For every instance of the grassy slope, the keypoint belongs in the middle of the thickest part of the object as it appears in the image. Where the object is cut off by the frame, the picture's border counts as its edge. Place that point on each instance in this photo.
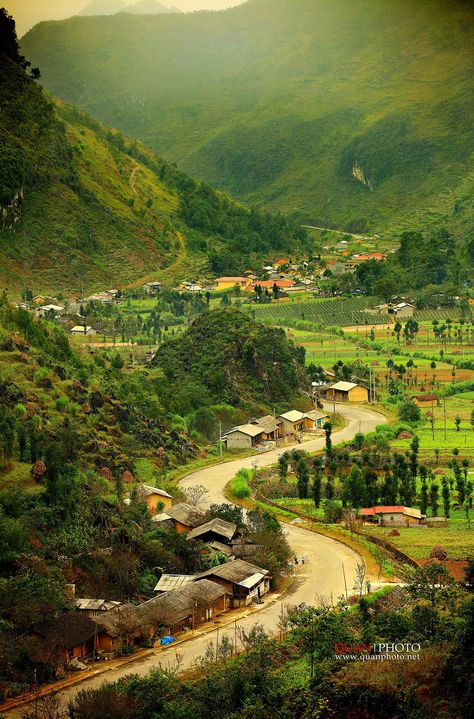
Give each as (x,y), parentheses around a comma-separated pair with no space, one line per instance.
(85,219)
(278,101)
(83,207)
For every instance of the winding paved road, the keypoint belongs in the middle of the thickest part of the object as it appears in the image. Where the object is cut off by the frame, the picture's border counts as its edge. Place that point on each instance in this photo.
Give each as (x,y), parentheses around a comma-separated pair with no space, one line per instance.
(321,574)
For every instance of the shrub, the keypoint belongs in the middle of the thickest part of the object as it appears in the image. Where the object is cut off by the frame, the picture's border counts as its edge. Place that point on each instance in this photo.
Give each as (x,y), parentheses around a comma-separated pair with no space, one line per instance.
(438,553)
(239,486)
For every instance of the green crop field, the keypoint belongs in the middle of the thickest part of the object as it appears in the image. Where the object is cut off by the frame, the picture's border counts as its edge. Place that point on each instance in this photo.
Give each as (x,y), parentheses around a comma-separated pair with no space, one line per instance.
(456,538)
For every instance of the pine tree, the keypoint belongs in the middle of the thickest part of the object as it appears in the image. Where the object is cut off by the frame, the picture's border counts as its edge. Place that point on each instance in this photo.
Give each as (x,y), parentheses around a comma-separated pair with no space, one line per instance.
(446,496)
(317,481)
(424,490)
(354,490)
(434,499)
(302,474)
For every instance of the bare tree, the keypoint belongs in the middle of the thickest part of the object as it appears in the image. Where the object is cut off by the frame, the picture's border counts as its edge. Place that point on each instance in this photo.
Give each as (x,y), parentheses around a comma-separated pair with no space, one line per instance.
(197,495)
(49,706)
(360,578)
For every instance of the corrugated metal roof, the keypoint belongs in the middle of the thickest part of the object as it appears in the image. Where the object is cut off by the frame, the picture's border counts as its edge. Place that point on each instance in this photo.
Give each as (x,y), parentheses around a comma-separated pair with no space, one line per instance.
(169,582)
(252,580)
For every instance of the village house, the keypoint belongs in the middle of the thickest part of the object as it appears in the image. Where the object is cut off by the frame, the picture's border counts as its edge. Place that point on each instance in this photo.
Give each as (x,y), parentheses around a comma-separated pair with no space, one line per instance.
(190,287)
(154,497)
(151,288)
(123,626)
(49,309)
(244,581)
(347,392)
(271,427)
(315,419)
(170,582)
(395,516)
(228,283)
(426,400)
(403,309)
(94,607)
(183,517)
(185,608)
(39,299)
(245,436)
(83,330)
(283,285)
(70,636)
(293,422)
(217,530)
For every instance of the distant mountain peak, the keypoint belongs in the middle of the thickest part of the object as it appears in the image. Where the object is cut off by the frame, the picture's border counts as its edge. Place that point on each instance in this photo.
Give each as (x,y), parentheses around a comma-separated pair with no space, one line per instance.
(103,7)
(112,7)
(149,7)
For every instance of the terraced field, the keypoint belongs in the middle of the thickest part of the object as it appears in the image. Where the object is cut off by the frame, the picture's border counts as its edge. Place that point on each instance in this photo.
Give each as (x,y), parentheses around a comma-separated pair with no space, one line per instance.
(350,312)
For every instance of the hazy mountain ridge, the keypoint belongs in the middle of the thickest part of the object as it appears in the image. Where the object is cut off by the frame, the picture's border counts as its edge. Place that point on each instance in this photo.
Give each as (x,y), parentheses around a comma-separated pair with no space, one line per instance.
(81,205)
(281,103)
(112,7)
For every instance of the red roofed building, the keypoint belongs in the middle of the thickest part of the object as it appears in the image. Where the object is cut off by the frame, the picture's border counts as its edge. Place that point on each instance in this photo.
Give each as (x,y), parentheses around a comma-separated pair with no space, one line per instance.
(392,516)
(281,263)
(370,256)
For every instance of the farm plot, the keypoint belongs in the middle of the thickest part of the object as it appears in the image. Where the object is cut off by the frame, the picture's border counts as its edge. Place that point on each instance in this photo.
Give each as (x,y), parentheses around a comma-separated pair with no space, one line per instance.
(329,312)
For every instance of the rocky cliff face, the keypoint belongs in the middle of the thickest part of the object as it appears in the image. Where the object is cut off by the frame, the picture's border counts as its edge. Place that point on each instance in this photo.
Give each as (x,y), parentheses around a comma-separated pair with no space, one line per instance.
(11,213)
(359,175)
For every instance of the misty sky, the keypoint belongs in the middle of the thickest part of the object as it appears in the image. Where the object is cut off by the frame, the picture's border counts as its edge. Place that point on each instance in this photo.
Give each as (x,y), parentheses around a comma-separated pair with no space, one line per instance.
(29,12)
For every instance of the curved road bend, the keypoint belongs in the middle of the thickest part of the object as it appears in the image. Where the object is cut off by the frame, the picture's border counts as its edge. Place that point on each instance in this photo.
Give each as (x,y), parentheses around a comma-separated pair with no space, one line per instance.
(321,573)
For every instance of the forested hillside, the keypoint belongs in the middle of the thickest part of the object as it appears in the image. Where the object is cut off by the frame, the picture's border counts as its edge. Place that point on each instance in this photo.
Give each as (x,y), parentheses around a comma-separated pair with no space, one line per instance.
(226,357)
(81,205)
(283,103)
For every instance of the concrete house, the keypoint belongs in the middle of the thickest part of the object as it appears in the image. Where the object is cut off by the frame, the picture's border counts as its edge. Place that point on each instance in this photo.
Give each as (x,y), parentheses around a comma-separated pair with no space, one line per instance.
(245,436)
(228,283)
(392,516)
(347,392)
(83,330)
(292,422)
(315,419)
(404,309)
(244,581)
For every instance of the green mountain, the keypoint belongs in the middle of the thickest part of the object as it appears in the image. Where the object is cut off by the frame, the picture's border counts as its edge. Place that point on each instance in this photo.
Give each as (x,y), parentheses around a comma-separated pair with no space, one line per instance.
(82,206)
(225,357)
(353,113)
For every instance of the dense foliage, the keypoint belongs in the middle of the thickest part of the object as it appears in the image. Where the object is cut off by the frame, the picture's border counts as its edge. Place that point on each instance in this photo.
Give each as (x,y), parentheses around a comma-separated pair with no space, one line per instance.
(225,356)
(326,109)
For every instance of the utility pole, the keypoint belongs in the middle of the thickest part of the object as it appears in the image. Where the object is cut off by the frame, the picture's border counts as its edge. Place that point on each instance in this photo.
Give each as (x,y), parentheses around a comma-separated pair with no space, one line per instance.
(220,439)
(445,428)
(344,575)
